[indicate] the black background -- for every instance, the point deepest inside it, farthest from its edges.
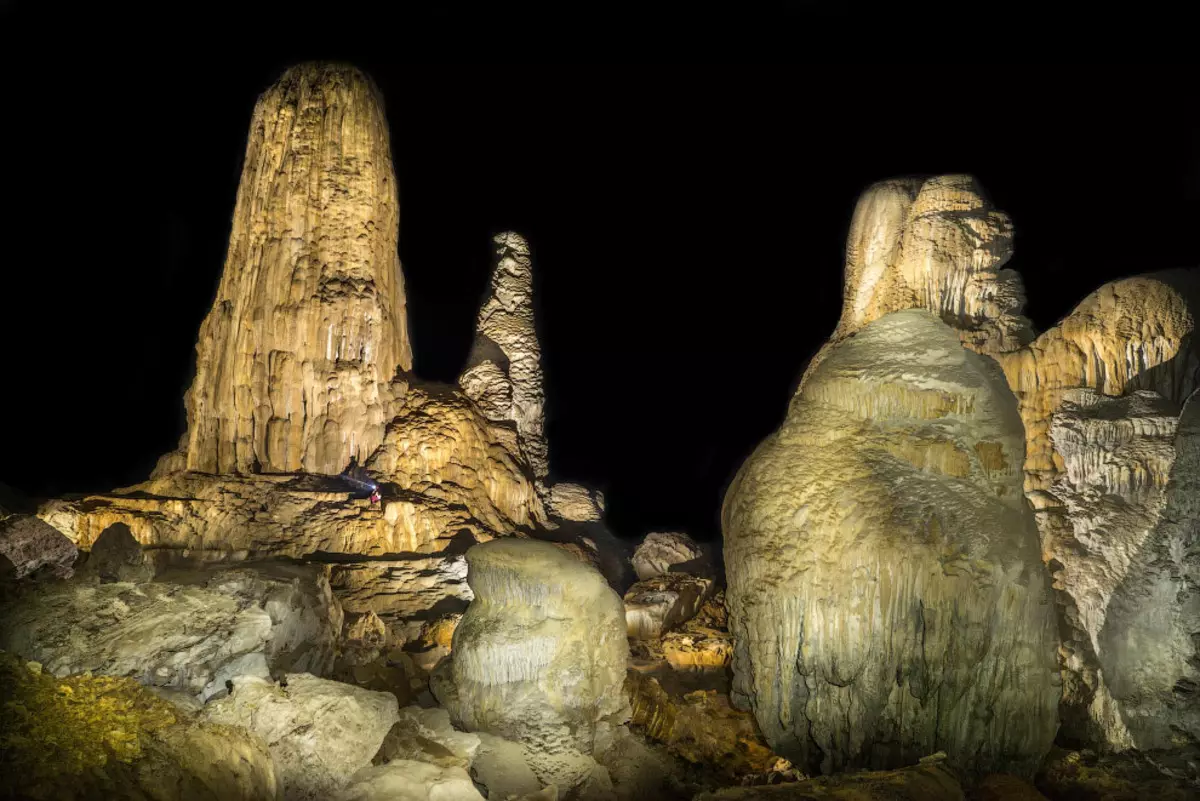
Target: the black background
(687, 223)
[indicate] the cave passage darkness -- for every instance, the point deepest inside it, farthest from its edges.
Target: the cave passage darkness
(687, 226)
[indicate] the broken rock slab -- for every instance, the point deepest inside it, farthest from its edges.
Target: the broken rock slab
(191, 635)
(662, 550)
(656, 605)
(409, 780)
(31, 544)
(319, 732)
(425, 735)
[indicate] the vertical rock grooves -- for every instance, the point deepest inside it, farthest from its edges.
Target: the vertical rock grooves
(887, 600)
(1100, 395)
(295, 360)
(504, 370)
(540, 655)
(937, 244)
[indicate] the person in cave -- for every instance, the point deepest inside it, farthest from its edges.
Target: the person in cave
(363, 486)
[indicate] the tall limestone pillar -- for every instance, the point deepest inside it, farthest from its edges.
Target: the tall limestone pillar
(296, 357)
(504, 371)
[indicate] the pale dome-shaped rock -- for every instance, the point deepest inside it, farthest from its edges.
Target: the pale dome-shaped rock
(540, 655)
(885, 580)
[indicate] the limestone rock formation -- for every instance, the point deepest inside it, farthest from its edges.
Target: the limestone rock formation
(885, 580)
(425, 735)
(408, 593)
(660, 550)
(500, 767)
(936, 244)
(699, 727)
(296, 359)
(320, 733)
(1130, 334)
(659, 604)
(409, 780)
(446, 473)
(1100, 395)
(30, 545)
(575, 502)
(930, 780)
(1127, 776)
(702, 644)
(117, 556)
(539, 656)
(504, 369)
(192, 635)
(1129, 571)
(88, 737)
(439, 445)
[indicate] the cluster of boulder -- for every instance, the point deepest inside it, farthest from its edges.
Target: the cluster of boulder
(964, 544)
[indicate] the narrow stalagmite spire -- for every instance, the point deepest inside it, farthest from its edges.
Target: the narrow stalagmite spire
(504, 371)
(296, 357)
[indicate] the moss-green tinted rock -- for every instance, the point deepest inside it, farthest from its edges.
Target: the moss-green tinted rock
(102, 737)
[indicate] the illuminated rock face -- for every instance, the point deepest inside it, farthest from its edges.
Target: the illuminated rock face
(438, 444)
(189, 636)
(540, 655)
(1131, 488)
(1127, 335)
(935, 244)
(659, 604)
(320, 733)
(1100, 395)
(660, 550)
(448, 471)
(575, 502)
(30, 545)
(295, 361)
(504, 371)
(886, 592)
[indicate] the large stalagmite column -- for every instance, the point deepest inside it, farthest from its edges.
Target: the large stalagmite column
(886, 591)
(504, 371)
(295, 360)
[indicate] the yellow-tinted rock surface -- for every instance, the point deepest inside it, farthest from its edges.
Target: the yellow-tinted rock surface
(296, 359)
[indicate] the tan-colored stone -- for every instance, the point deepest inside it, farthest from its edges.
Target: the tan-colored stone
(296, 360)
(1107, 467)
(504, 370)
(937, 244)
(700, 727)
